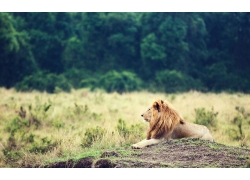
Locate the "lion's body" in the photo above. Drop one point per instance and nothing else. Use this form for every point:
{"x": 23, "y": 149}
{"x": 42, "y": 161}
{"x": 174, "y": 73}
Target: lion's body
{"x": 165, "y": 123}
{"x": 191, "y": 130}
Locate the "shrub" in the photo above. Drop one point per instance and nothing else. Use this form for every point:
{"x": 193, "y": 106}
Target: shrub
{"x": 44, "y": 145}
{"x": 10, "y": 157}
{"x": 58, "y": 124}
{"x": 206, "y": 118}
{"x": 89, "y": 82}
{"x": 134, "y": 131}
{"x": 120, "y": 81}
{"x": 42, "y": 81}
{"x": 122, "y": 128}
{"x": 15, "y": 125}
{"x": 79, "y": 77}
{"x": 174, "y": 81}
{"x": 239, "y": 120}
{"x": 92, "y": 135}
{"x": 38, "y": 113}
{"x": 28, "y": 138}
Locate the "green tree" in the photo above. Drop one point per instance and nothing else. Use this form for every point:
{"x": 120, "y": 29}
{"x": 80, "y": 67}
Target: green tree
{"x": 48, "y": 32}
{"x": 163, "y": 43}
{"x": 120, "y": 81}
{"x": 16, "y": 58}
{"x": 228, "y": 44}
{"x": 171, "y": 81}
{"x": 196, "y": 38}
{"x": 203, "y": 51}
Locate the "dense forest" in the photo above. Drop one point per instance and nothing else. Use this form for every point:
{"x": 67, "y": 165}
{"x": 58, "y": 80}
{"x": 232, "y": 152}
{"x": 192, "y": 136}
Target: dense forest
{"x": 120, "y": 51}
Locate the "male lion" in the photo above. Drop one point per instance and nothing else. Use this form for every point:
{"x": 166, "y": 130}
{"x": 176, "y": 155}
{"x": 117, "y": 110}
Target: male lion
{"x": 166, "y": 123}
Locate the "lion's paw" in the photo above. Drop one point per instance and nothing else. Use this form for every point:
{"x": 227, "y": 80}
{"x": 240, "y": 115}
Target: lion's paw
{"x": 136, "y": 146}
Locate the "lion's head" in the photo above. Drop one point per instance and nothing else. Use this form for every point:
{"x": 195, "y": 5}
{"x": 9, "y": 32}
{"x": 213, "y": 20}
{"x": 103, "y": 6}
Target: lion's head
{"x": 162, "y": 118}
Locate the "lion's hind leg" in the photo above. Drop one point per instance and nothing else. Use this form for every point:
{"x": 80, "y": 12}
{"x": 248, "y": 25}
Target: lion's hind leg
{"x": 146, "y": 142}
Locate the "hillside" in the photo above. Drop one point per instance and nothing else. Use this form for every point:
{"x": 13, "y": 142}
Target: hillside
{"x": 184, "y": 153}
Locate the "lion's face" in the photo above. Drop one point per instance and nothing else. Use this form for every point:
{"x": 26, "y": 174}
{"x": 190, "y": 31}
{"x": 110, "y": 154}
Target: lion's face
{"x": 147, "y": 115}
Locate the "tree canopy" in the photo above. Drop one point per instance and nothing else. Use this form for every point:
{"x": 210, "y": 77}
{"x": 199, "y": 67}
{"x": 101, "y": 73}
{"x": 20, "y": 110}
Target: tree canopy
{"x": 125, "y": 51}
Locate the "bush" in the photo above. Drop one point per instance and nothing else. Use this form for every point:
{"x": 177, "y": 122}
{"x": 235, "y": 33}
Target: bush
{"x": 92, "y": 135}
{"x": 11, "y": 157}
{"x": 240, "y": 120}
{"x": 206, "y": 118}
{"x": 122, "y": 128}
{"x": 43, "y": 146}
{"x": 16, "y": 125}
{"x": 89, "y": 82}
{"x": 44, "y": 82}
{"x": 76, "y": 77}
{"x": 120, "y": 81}
{"x": 134, "y": 130}
{"x": 174, "y": 81}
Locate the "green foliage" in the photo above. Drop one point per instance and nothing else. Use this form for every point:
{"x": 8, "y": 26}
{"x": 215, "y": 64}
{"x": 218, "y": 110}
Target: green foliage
{"x": 36, "y": 114}
{"x": 80, "y": 78}
{"x": 78, "y": 49}
{"x": 134, "y": 131}
{"x": 16, "y": 59}
{"x": 82, "y": 112}
{"x": 11, "y": 157}
{"x": 150, "y": 50}
{"x": 9, "y": 35}
{"x": 15, "y": 125}
{"x": 206, "y": 117}
{"x": 44, "y": 145}
{"x": 15, "y": 128}
{"x": 72, "y": 54}
{"x": 242, "y": 118}
{"x": 174, "y": 81}
{"x": 21, "y": 139}
{"x": 90, "y": 82}
{"x": 122, "y": 128}
{"x": 92, "y": 135}
{"x": 43, "y": 82}
{"x": 58, "y": 124}
{"x": 30, "y": 138}
{"x": 21, "y": 136}
{"x": 120, "y": 81}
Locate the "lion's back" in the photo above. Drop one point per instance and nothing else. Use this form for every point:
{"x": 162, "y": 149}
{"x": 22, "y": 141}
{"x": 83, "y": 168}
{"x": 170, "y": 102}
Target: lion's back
{"x": 191, "y": 130}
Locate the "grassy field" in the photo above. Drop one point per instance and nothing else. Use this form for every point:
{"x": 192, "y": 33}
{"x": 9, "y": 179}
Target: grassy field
{"x": 38, "y": 128}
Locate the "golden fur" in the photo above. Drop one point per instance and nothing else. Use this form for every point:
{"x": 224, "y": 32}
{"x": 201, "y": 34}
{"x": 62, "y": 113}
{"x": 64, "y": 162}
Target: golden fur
{"x": 166, "y": 123}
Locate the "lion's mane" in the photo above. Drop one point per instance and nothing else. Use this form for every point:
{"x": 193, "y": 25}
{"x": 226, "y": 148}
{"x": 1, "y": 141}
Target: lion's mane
{"x": 163, "y": 121}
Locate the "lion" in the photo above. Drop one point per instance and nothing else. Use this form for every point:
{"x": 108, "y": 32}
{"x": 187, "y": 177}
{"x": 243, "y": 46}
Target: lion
{"x": 166, "y": 123}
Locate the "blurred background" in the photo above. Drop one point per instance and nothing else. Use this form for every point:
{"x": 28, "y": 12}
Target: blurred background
{"x": 125, "y": 51}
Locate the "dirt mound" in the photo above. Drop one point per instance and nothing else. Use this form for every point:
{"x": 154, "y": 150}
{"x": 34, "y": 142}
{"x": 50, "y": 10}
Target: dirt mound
{"x": 82, "y": 163}
{"x": 184, "y": 153}
{"x": 189, "y": 153}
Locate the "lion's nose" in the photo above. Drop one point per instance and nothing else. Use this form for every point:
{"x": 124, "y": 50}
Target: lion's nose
{"x": 142, "y": 115}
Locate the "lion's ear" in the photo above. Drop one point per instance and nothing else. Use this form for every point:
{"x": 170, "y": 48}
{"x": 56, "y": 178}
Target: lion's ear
{"x": 156, "y": 106}
{"x": 162, "y": 101}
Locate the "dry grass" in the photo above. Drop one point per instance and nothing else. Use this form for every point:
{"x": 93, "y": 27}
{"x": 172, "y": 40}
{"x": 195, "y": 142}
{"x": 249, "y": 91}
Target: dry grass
{"x": 64, "y": 124}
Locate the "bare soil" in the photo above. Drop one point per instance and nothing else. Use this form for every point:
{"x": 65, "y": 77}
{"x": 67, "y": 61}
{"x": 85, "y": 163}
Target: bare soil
{"x": 184, "y": 153}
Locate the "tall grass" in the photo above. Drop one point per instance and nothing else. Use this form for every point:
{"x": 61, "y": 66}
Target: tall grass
{"x": 67, "y": 125}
